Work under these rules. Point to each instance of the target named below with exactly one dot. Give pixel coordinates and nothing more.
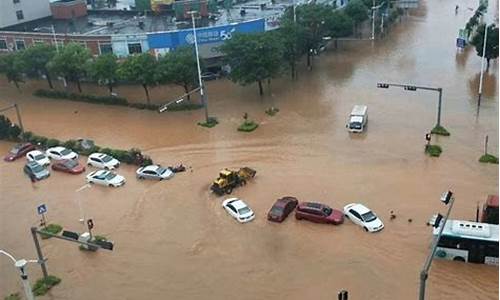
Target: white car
(39, 157)
(59, 153)
(103, 161)
(154, 172)
(363, 216)
(104, 177)
(238, 210)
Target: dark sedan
(319, 213)
(69, 166)
(282, 208)
(18, 151)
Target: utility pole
(39, 253)
(202, 86)
(18, 113)
(21, 265)
(482, 66)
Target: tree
(104, 70)
(140, 68)
(70, 62)
(491, 43)
(253, 57)
(36, 59)
(357, 11)
(293, 40)
(339, 24)
(11, 65)
(178, 67)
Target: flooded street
(173, 240)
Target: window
(20, 45)
(19, 15)
(16, 1)
(134, 48)
(3, 45)
(105, 48)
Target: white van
(358, 118)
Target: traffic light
(410, 88)
(382, 85)
(446, 197)
(438, 220)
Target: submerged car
(318, 213)
(18, 151)
(238, 210)
(363, 216)
(103, 161)
(282, 208)
(35, 170)
(71, 166)
(39, 157)
(59, 153)
(104, 177)
(154, 172)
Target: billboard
(163, 41)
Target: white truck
(358, 118)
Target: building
(13, 12)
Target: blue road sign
(460, 43)
(41, 209)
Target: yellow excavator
(229, 179)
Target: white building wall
(31, 10)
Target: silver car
(35, 170)
(154, 172)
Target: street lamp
(409, 87)
(480, 91)
(21, 266)
(446, 198)
(202, 86)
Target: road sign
(41, 209)
(461, 43)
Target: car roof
(284, 201)
(238, 204)
(57, 148)
(36, 152)
(151, 168)
(360, 208)
(32, 163)
(97, 154)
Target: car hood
(117, 179)
(168, 173)
(9, 157)
(45, 172)
(375, 224)
(337, 216)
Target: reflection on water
(174, 241)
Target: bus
(468, 242)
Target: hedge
(111, 100)
(8, 131)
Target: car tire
(459, 258)
(89, 164)
(366, 229)
(91, 182)
(110, 185)
(347, 217)
(140, 177)
(106, 168)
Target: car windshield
(277, 211)
(244, 210)
(107, 158)
(355, 125)
(39, 156)
(71, 164)
(110, 176)
(162, 170)
(65, 152)
(327, 211)
(15, 149)
(37, 169)
(368, 217)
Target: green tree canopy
(104, 70)
(178, 67)
(253, 57)
(12, 66)
(36, 59)
(491, 51)
(294, 43)
(140, 68)
(357, 11)
(339, 24)
(70, 62)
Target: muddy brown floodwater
(174, 241)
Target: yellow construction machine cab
(223, 177)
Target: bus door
(477, 253)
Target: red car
(282, 208)
(71, 166)
(319, 213)
(18, 151)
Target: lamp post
(446, 198)
(200, 81)
(480, 91)
(21, 266)
(373, 17)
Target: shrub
(440, 130)
(81, 97)
(8, 130)
(272, 111)
(27, 136)
(210, 123)
(40, 140)
(147, 161)
(53, 143)
(43, 285)
(248, 126)
(73, 145)
(51, 228)
(433, 150)
(488, 158)
(93, 149)
(14, 296)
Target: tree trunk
(49, 80)
(78, 85)
(261, 91)
(147, 92)
(308, 59)
(186, 89)
(292, 66)
(16, 84)
(487, 64)
(110, 88)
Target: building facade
(13, 12)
